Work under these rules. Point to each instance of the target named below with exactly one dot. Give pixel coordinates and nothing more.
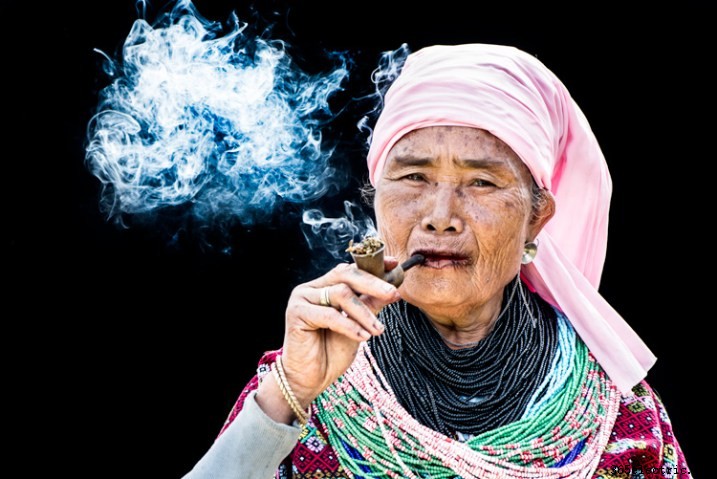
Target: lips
(443, 258)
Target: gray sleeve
(252, 447)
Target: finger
(339, 299)
(390, 262)
(374, 304)
(342, 297)
(359, 281)
(312, 317)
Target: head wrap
(515, 97)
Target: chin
(432, 288)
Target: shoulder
(641, 398)
(263, 368)
(645, 403)
(642, 416)
(642, 436)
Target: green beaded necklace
(562, 436)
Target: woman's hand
(321, 340)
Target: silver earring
(529, 251)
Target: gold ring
(325, 300)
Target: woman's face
(461, 197)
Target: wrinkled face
(461, 197)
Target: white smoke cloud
(226, 127)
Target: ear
(543, 210)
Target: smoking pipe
(368, 256)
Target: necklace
(475, 389)
(560, 436)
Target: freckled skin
(448, 203)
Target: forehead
(458, 141)
(450, 146)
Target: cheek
(397, 213)
(500, 222)
(499, 233)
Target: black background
(124, 354)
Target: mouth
(439, 259)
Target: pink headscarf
(515, 97)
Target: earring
(529, 251)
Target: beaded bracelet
(280, 376)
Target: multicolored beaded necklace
(482, 385)
(561, 433)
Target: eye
(481, 183)
(415, 177)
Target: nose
(442, 211)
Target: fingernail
(378, 325)
(364, 334)
(389, 288)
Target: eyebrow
(477, 163)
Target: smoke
(218, 126)
(222, 127)
(333, 235)
(389, 67)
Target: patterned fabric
(642, 445)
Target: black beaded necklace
(477, 388)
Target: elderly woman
(496, 357)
